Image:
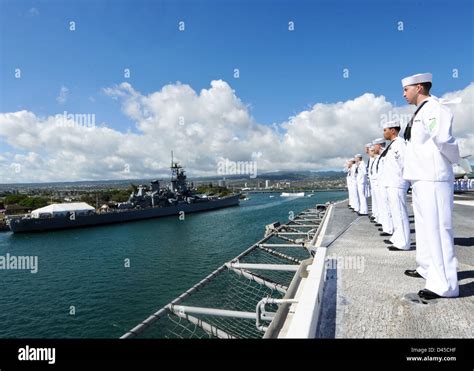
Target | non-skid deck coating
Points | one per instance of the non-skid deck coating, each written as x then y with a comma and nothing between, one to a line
367,295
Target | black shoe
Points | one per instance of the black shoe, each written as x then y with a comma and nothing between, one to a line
428,295
362,214
383,234
394,248
388,241
378,224
381,229
372,221
413,273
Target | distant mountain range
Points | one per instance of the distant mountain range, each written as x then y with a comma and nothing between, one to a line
278,176
274,176
301,175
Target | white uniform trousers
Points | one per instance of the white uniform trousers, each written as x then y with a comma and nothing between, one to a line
374,199
367,189
384,211
435,255
401,225
349,191
362,200
355,196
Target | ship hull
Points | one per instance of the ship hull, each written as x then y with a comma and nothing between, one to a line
18,225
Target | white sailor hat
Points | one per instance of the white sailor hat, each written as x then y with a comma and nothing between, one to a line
391,124
367,145
378,141
358,156
417,79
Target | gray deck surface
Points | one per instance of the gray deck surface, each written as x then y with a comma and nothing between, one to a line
368,295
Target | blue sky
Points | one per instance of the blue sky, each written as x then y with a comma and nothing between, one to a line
282,73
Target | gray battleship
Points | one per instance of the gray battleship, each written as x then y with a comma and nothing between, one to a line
176,199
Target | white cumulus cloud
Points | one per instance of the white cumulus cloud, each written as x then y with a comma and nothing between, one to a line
202,128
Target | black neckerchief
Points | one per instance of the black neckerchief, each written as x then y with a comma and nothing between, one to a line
372,165
407,133
378,161
384,153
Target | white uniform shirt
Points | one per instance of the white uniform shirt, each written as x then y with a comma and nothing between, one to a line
432,149
371,168
393,164
349,176
361,172
377,169
353,172
369,162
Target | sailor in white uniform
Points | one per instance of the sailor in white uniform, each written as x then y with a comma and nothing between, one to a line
355,194
369,159
396,186
431,151
383,208
373,194
347,169
374,177
361,183
367,182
